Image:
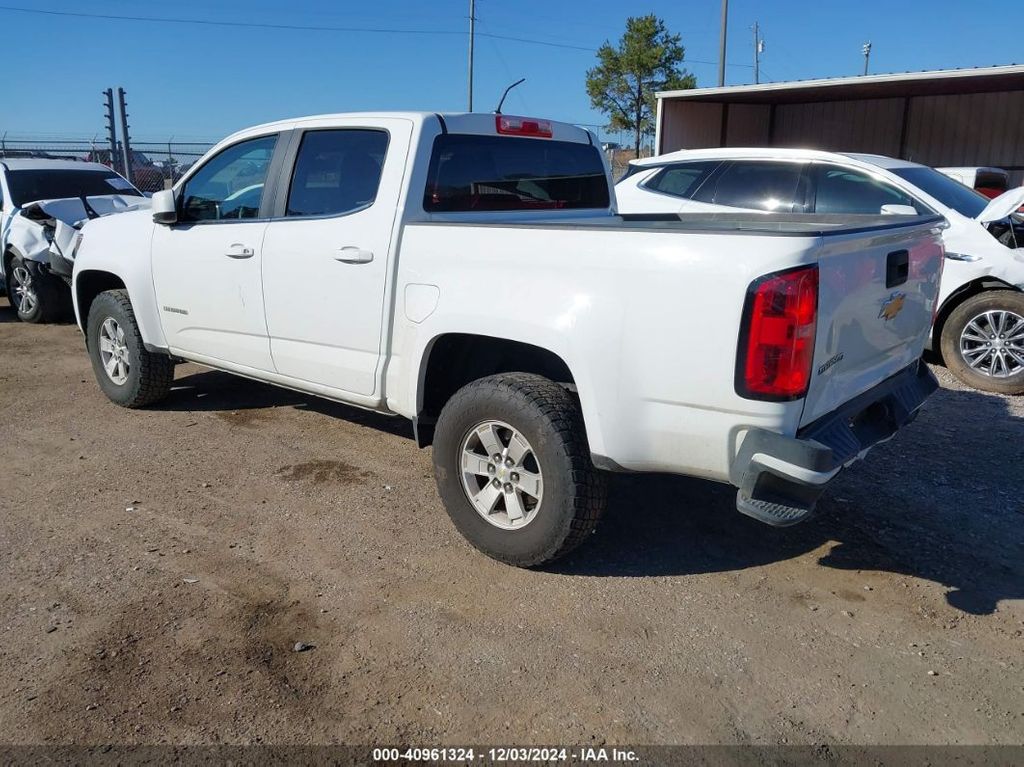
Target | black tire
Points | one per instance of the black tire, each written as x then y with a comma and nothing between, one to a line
149,375
971,309
574,492
52,297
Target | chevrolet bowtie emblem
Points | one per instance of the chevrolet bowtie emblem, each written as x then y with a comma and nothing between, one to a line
892,306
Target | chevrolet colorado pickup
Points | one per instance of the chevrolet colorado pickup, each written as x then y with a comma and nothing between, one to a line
469,272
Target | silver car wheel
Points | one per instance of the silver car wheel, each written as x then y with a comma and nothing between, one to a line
25,293
992,344
501,475
114,351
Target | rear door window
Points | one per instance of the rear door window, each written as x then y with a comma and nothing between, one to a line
841,190
482,173
778,187
682,180
336,171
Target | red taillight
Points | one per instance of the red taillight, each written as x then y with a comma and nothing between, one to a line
777,335
522,126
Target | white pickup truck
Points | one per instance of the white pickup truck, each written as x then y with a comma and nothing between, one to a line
469,272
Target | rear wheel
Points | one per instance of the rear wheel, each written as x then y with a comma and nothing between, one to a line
35,294
513,469
983,342
127,373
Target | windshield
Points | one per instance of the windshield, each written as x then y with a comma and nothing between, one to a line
950,193
53,184
487,173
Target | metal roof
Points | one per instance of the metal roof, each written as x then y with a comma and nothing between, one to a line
937,82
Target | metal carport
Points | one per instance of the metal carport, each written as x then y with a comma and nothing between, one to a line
954,117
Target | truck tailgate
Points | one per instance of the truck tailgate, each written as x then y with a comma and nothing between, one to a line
876,295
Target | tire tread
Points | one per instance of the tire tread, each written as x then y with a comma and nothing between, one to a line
156,371
554,403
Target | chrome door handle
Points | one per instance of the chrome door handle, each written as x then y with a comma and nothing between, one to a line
350,254
238,250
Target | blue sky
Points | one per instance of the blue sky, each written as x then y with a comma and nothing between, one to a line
195,81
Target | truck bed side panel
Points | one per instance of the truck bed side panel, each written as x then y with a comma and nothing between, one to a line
645,321
646,317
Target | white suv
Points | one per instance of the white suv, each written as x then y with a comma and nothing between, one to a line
43,202
979,327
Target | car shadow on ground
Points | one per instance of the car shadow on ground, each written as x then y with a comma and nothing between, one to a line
7,312
938,502
214,391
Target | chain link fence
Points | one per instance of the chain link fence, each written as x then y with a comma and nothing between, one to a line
159,164
619,159
155,165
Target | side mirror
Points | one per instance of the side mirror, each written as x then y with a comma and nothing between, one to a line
165,209
898,210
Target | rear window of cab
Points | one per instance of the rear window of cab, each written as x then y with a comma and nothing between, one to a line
494,173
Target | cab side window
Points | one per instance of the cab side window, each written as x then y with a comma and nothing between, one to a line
230,185
840,190
682,180
336,171
779,187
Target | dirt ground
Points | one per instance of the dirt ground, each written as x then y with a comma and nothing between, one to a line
159,566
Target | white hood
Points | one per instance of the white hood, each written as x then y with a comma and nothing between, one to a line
25,229
71,210
1002,206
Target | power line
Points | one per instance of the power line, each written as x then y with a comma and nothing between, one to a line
247,24
316,28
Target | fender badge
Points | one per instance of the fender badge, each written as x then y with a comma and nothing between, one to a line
830,362
892,306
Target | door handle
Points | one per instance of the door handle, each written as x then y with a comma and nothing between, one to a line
350,254
238,250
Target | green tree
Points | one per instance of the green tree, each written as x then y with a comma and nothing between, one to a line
624,82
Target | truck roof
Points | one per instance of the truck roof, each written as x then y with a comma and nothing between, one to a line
456,122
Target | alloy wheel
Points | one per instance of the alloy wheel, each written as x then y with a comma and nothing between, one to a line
114,351
25,299
501,475
992,344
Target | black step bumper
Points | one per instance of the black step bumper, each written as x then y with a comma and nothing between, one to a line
781,478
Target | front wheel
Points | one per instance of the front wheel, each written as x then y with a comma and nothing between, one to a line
35,294
983,342
127,373
513,469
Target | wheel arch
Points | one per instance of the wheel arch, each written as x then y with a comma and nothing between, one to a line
452,360
958,296
89,284
10,253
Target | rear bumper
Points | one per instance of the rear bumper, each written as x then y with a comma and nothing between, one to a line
781,478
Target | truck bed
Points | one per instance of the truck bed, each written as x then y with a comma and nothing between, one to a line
784,224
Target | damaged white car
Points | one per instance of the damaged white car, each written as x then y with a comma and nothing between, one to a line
43,205
979,326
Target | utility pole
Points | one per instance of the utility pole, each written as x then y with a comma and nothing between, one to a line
472,32
758,50
866,50
108,108
721,43
125,141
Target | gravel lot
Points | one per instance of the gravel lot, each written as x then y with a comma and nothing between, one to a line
160,566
